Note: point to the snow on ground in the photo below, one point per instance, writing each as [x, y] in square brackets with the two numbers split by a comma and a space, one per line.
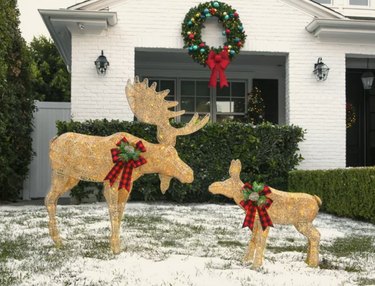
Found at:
[168, 244]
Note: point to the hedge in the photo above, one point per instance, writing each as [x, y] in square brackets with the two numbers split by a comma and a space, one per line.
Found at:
[344, 192]
[267, 152]
[16, 104]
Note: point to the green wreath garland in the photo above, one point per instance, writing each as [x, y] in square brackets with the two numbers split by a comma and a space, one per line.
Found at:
[193, 23]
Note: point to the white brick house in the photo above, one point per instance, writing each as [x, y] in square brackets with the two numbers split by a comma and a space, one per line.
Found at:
[284, 40]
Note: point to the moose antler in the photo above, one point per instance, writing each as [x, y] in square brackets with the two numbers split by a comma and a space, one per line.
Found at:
[150, 106]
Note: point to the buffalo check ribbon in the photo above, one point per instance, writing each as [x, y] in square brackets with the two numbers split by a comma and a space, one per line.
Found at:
[251, 207]
[125, 166]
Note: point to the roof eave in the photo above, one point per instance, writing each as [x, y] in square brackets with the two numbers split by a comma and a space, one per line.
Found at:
[61, 23]
[345, 29]
[315, 9]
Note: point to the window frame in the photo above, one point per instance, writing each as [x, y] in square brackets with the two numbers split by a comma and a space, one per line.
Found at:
[213, 95]
[358, 5]
[328, 4]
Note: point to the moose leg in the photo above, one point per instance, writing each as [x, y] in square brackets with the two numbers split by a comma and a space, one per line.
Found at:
[260, 246]
[116, 204]
[313, 236]
[59, 185]
[249, 254]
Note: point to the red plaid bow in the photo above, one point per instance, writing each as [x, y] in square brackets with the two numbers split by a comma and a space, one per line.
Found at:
[126, 177]
[217, 64]
[251, 207]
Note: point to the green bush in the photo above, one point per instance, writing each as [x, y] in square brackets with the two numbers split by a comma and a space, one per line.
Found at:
[267, 152]
[16, 103]
[344, 192]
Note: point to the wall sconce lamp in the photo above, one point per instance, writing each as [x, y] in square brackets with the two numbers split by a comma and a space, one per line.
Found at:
[367, 78]
[101, 64]
[320, 70]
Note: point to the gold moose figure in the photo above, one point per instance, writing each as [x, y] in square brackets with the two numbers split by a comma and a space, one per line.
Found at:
[76, 157]
[298, 209]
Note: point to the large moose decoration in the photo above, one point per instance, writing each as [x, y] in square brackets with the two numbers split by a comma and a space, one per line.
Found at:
[298, 209]
[76, 157]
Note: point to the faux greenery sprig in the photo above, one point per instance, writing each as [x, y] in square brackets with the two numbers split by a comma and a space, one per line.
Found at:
[128, 152]
[255, 193]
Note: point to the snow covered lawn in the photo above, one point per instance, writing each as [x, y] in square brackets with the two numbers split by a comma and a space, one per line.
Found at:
[167, 244]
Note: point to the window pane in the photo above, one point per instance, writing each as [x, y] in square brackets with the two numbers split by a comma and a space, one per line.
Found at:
[170, 98]
[203, 89]
[238, 104]
[359, 2]
[225, 91]
[187, 103]
[324, 1]
[222, 105]
[186, 117]
[187, 88]
[203, 104]
[167, 84]
[151, 81]
[238, 89]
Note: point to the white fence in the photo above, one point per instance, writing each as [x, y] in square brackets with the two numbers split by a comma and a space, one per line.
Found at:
[45, 117]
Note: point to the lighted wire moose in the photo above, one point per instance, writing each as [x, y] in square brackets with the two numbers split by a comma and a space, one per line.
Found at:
[298, 209]
[76, 157]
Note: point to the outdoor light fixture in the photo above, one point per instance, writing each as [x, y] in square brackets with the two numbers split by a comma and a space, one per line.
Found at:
[101, 64]
[367, 78]
[321, 70]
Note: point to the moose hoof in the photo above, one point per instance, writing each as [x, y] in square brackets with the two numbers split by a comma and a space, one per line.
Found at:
[115, 247]
[312, 263]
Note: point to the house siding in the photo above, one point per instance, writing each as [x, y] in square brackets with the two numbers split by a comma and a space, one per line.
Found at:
[271, 26]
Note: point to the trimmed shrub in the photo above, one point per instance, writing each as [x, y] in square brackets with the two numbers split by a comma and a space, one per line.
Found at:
[344, 192]
[267, 152]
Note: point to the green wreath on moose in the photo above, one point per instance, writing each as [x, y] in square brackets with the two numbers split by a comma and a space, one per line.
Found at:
[199, 50]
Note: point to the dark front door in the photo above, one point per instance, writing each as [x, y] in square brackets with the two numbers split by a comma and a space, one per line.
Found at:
[360, 137]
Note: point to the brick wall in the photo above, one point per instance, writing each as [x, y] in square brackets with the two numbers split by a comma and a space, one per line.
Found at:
[271, 26]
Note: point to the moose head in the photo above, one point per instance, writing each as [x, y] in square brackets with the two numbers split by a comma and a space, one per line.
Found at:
[76, 157]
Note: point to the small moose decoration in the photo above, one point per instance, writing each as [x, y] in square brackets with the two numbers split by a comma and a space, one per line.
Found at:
[265, 207]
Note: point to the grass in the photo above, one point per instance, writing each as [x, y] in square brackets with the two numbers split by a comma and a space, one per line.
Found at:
[345, 246]
[27, 252]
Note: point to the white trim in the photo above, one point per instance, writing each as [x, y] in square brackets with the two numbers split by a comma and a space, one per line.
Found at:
[94, 5]
[60, 24]
[315, 9]
[358, 29]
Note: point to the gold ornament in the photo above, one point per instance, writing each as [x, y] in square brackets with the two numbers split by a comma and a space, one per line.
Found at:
[76, 157]
[298, 209]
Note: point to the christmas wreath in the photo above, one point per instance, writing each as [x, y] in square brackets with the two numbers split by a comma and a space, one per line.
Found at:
[216, 58]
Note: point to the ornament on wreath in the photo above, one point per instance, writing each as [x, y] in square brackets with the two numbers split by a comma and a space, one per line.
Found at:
[76, 157]
[351, 116]
[266, 206]
[216, 58]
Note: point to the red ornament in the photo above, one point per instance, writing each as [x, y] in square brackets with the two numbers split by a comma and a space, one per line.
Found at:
[227, 31]
[225, 48]
[191, 36]
[235, 14]
[201, 45]
[212, 11]
[239, 44]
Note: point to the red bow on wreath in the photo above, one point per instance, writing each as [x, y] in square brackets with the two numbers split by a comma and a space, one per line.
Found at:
[257, 201]
[126, 157]
[217, 64]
